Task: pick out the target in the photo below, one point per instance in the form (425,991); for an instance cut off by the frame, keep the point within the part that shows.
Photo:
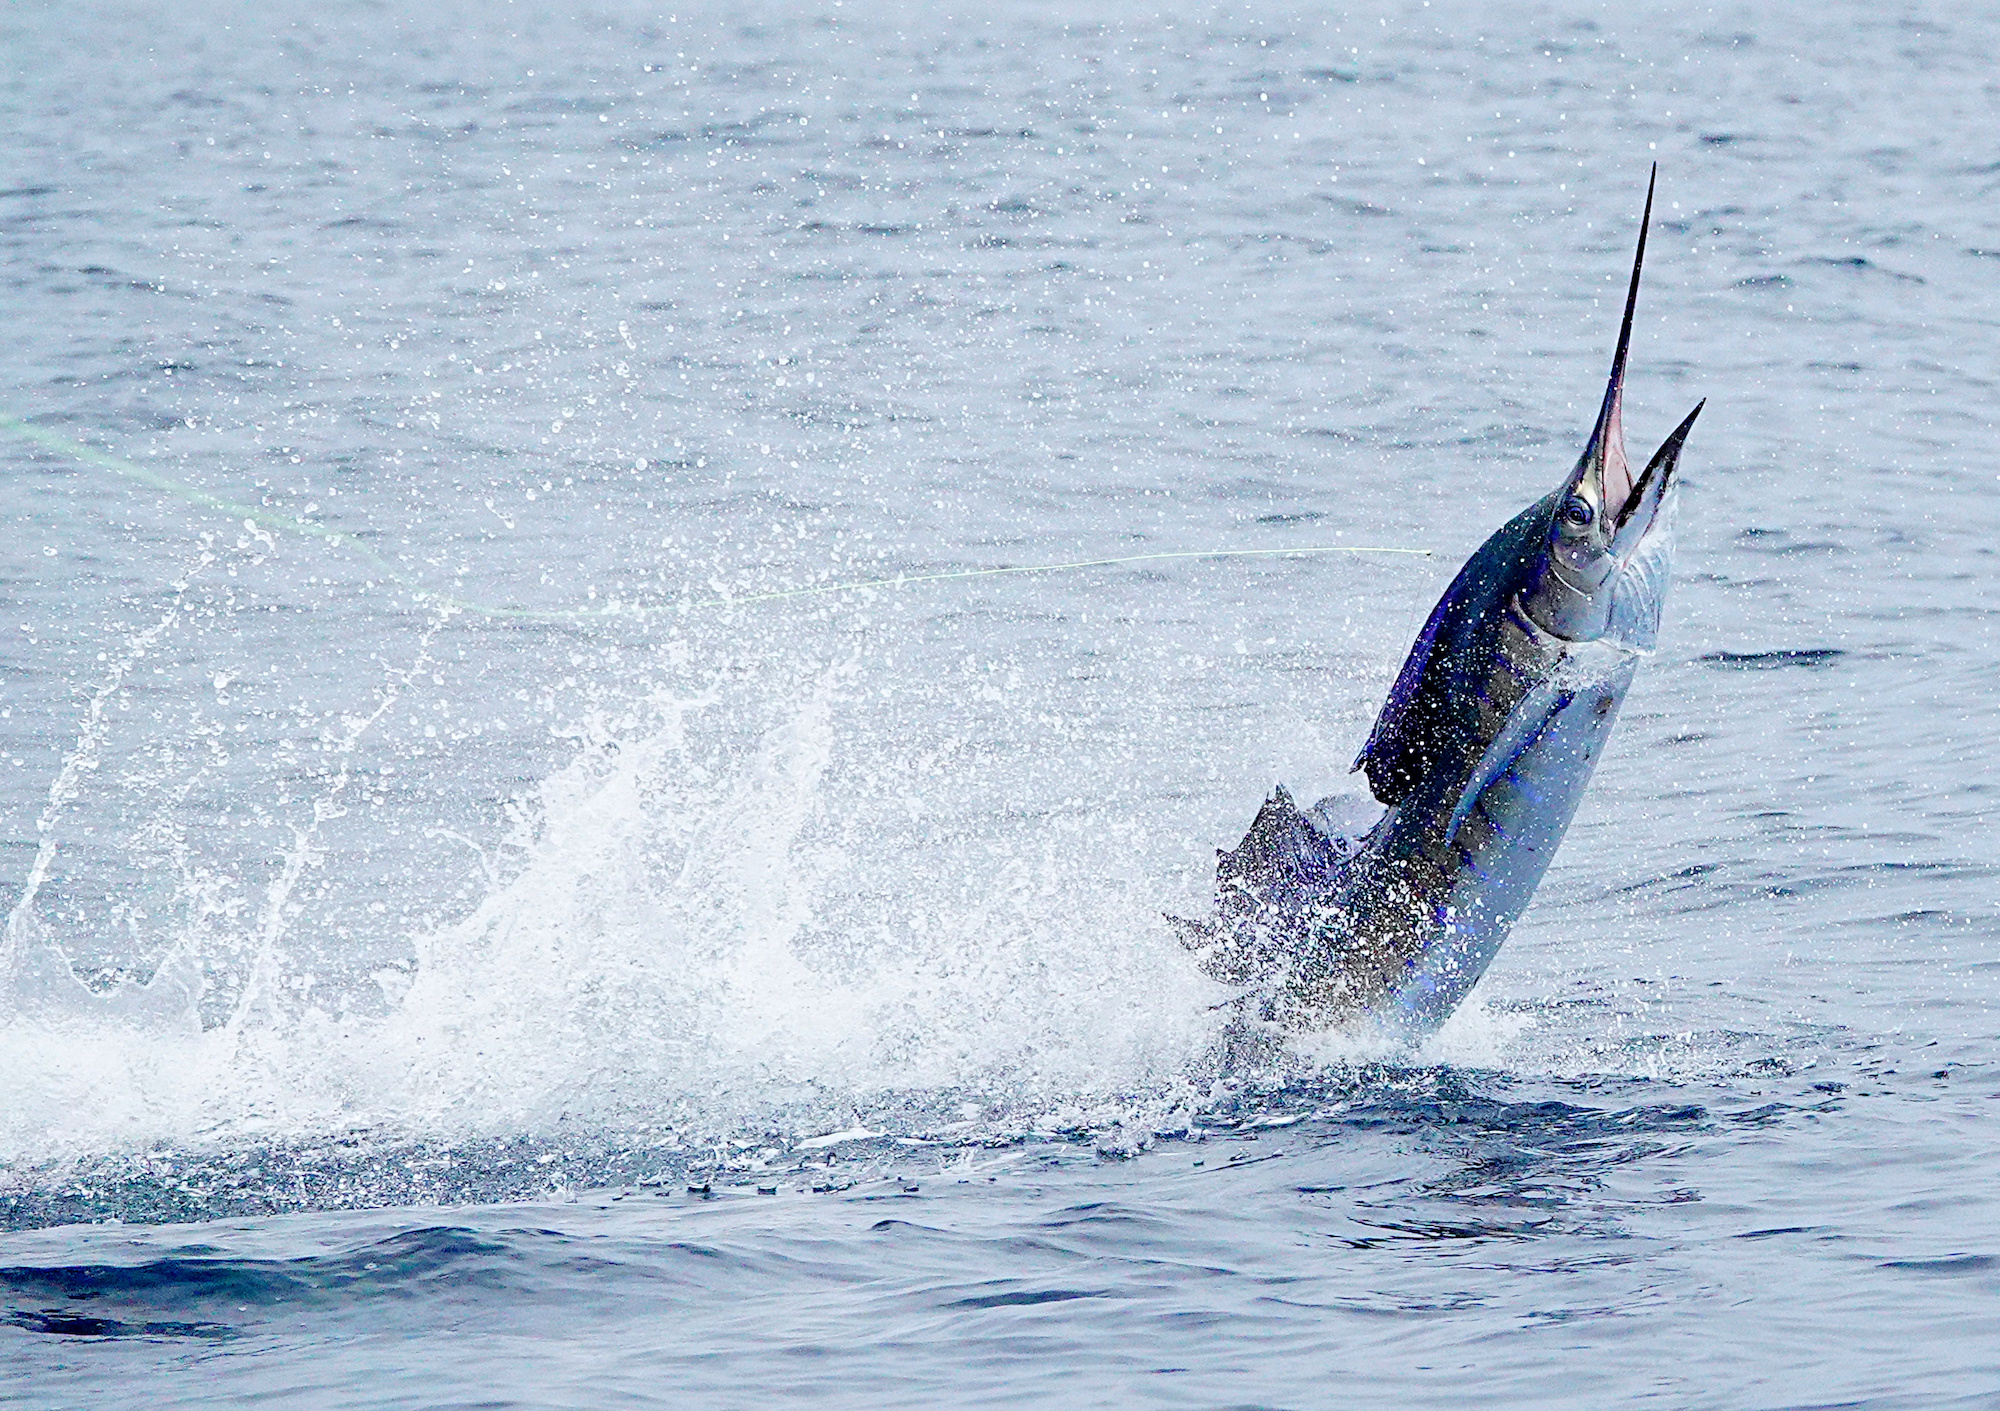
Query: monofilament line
(265,519)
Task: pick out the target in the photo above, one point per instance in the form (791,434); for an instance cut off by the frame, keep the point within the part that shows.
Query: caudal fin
(1270,890)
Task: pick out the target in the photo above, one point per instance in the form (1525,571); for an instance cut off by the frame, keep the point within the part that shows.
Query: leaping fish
(1479,757)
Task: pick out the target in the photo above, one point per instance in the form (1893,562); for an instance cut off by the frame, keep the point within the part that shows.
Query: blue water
(493,921)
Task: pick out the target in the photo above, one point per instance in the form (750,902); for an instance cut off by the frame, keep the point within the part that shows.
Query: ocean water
(496,916)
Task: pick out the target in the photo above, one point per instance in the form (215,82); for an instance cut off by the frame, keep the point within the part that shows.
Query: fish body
(1479,759)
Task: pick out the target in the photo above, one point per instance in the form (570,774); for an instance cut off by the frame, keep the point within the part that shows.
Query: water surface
(456,866)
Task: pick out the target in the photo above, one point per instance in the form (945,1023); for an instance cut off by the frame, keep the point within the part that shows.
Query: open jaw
(1649,495)
(1626,508)
(1603,474)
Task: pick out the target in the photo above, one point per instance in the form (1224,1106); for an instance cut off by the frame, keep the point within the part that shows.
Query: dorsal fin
(1420,723)
(1385,740)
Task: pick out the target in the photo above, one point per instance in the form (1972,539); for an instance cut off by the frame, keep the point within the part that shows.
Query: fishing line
(255,516)
(262,518)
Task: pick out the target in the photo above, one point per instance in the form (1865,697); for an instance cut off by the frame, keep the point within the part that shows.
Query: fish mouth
(1648,497)
(1625,508)
(1603,474)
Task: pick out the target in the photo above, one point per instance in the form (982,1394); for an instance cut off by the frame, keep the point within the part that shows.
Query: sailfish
(1478,758)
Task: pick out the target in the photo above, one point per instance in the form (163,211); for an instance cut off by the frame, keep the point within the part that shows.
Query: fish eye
(1576,512)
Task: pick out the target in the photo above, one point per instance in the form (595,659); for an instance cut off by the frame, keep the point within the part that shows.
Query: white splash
(680,938)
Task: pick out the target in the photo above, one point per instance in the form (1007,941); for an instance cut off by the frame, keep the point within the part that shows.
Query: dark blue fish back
(1427,721)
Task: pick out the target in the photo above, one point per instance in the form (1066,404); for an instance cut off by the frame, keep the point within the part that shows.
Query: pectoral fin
(1529,719)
